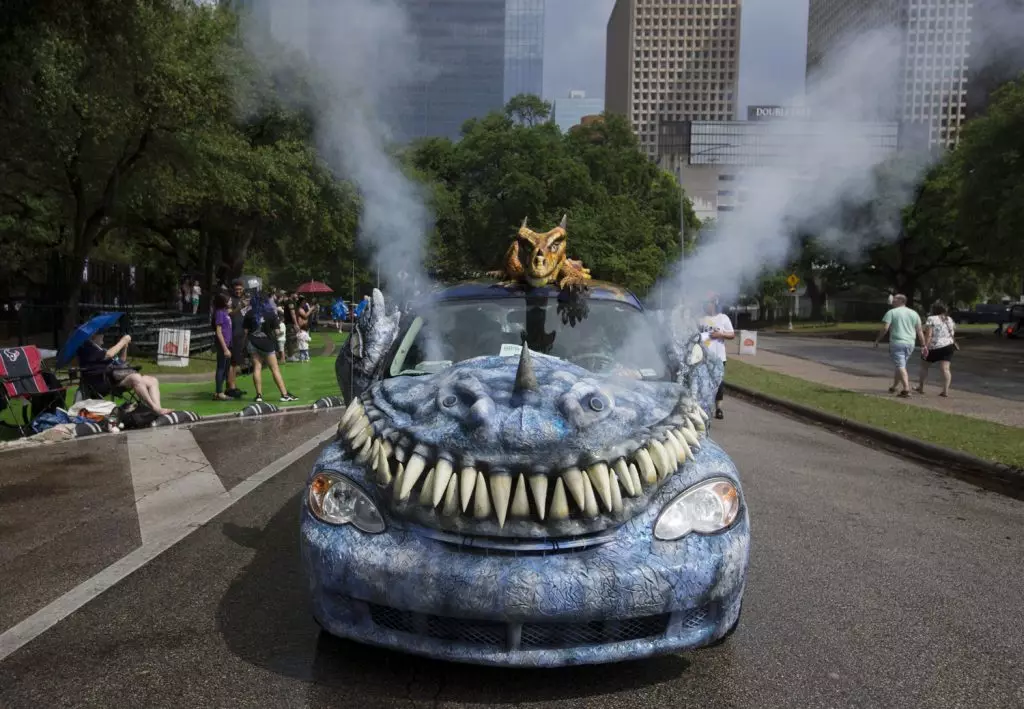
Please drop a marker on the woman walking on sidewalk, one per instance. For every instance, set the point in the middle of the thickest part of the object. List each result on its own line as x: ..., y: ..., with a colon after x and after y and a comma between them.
x: 939, y: 345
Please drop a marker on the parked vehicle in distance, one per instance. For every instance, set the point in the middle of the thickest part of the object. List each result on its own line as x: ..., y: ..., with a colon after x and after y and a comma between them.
x: 983, y: 313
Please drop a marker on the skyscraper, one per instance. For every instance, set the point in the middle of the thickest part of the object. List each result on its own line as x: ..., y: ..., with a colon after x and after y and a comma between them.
x: 932, y: 80
x: 524, y: 47
x: 462, y: 43
x: 672, y: 60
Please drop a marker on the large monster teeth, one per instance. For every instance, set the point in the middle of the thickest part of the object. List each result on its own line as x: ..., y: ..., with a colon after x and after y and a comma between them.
x: 467, y: 481
x: 598, y: 474
x: 443, y: 473
x: 426, y: 492
x: 501, y: 490
x: 574, y: 483
x: 539, y: 488
x: 520, y: 500
x: 622, y: 475
x: 353, y: 411
x: 646, y: 465
x: 431, y: 479
x: 417, y: 464
x: 559, y: 505
x: 589, y: 501
x: 481, y: 502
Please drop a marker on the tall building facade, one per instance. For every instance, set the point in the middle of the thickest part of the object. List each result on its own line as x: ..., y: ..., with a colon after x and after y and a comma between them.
x: 462, y: 44
x: 569, y: 112
x: 672, y: 60
x: 936, y: 36
x: 524, y: 47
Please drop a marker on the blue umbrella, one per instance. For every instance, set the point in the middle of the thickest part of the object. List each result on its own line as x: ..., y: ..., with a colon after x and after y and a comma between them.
x: 82, y: 333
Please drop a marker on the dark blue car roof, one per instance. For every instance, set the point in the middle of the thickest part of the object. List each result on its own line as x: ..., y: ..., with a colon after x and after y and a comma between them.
x: 490, y: 290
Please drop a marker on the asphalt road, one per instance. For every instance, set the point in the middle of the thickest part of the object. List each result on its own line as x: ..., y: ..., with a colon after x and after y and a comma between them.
x: 995, y: 368
x: 873, y: 583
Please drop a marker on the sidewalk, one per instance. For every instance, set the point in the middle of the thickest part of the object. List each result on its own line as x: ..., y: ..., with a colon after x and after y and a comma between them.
x: 980, y: 406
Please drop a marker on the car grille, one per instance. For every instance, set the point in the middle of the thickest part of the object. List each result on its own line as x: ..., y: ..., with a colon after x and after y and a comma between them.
x: 532, y: 636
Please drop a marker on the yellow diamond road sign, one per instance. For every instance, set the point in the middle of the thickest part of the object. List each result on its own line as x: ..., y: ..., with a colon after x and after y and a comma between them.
x: 792, y: 280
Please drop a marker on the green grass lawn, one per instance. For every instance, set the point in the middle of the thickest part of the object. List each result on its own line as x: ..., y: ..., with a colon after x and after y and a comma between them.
x: 991, y: 441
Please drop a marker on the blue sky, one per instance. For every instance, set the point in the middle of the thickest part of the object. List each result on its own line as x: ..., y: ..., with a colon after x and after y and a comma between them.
x: 773, y: 49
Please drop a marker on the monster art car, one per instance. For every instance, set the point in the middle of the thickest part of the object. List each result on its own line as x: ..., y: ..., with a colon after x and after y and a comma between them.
x: 523, y: 477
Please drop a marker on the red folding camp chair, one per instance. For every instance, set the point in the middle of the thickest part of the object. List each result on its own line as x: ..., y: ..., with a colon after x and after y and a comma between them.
x: 22, y: 377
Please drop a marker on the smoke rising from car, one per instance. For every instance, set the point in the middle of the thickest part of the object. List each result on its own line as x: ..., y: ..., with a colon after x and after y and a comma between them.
x: 360, y: 57
x: 813, y: 172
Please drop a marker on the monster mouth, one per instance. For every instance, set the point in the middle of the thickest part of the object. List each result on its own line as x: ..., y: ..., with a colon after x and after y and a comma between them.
x: 447, y: 484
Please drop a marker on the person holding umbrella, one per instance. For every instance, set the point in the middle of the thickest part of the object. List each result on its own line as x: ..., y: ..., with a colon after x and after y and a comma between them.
x: 93, y: 357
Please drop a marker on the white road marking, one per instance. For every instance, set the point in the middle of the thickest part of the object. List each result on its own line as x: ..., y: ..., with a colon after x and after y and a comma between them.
x: 172, y: 478
x: 45, y: 618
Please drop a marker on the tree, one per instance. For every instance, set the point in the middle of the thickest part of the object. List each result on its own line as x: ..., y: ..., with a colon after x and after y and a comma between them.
x: 528, y: 110
x: 91, y: 89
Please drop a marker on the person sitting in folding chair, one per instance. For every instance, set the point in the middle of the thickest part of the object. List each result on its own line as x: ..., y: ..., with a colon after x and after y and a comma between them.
x: 96, y: 361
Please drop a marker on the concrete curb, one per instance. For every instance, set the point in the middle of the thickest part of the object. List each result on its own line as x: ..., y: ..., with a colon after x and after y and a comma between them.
x: 894, y: 442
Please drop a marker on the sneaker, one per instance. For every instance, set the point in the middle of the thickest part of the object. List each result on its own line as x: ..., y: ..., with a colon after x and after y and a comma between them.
x: 258, y: 399
x: 719, y: 414
x: 235, y: 393
x: 289, y: 397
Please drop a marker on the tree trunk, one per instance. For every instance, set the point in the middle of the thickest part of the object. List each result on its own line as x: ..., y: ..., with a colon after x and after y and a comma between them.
x: 817, y: 297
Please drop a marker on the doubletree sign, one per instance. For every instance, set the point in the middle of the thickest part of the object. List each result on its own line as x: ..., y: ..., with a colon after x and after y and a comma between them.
x: 768, y: 113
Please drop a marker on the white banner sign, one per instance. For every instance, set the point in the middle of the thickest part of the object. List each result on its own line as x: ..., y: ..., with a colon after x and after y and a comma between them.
x: 173, y: 348
x: 748, y: 342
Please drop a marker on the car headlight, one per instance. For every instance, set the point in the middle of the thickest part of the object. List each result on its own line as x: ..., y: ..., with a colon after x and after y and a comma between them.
x: 707, y: 507
x: 337, y: 500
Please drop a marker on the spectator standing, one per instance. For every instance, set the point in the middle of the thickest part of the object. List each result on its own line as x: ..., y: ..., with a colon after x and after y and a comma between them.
x: 939, y: 345
x: 223, y: 334
x: 196, y: 293
x: 237, y: 305
x: 303, y: 339
x: 716, y: 328
x: 260, y: 325
x: 904, y: 326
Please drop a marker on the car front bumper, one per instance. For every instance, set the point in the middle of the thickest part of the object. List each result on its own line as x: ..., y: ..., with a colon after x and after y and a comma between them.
x: 628, y: 598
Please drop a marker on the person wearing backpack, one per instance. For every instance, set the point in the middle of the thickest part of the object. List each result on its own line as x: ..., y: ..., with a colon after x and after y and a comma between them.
x: 260, y: 325
x: 939, y: 345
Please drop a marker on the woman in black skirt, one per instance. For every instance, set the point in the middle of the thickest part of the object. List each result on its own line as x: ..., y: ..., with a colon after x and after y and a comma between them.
x: 939, y: 345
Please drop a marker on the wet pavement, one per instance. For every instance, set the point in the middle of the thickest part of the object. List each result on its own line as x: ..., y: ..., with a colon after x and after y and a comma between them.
x: 873, y: 582
x: 994, y: 368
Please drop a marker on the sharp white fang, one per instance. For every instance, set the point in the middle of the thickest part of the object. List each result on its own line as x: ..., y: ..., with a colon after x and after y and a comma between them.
x: 451, y: 498
x: 660, y: 457
x: 622, y: 473
x: 364, y: 435
x: 646, y: 465
x: 399, y: 476
x: 356, y: 427
x: 688, y: 424
x: 427, y: 491
x: 589, y: 500
x: 690, y: 437
x: 481, y: 501
x: 364, y: 452
x: 501, y: 490
x: 520, y: 500
x: 352, y: 411
x: 616, y: 497
x: 539, y: 488
x: 634, y: 475
x: 374, y: 450
x: 383, y: 468
x: 559, y: 505
x: 698, y: 422
x: 703, y: 414
x: 675, y: 453
x: 598, y: 474
x: 684, y: 447
x: 467, y: 481
x: 574, y: 482
x: 443, y: 472
x: 413, y: 471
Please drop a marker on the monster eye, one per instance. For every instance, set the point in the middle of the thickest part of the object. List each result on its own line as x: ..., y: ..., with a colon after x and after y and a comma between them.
x: 597, y: 403
x: 449, y: 401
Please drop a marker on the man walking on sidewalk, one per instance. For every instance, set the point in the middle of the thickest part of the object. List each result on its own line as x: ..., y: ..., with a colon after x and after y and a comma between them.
x: 904, y: 326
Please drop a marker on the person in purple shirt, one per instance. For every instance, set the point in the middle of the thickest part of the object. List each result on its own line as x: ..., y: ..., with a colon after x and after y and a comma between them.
x: 223, y: 334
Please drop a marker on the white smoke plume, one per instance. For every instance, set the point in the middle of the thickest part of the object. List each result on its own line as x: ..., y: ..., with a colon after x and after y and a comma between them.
x: 361, y: 57
x: 820, y: 168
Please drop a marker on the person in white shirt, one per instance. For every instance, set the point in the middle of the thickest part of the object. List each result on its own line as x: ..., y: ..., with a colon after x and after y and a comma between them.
x: 939, y: 345
x: 716, y: 328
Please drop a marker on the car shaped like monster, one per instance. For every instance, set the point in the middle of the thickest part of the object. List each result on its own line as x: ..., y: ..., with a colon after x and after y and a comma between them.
x: 523, y: 477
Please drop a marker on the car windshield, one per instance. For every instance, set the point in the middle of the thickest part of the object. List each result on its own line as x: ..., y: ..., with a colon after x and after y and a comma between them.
x: 600, y: 335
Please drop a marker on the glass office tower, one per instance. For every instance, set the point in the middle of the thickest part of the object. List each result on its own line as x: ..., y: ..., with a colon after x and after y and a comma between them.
x: 524, y: 47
